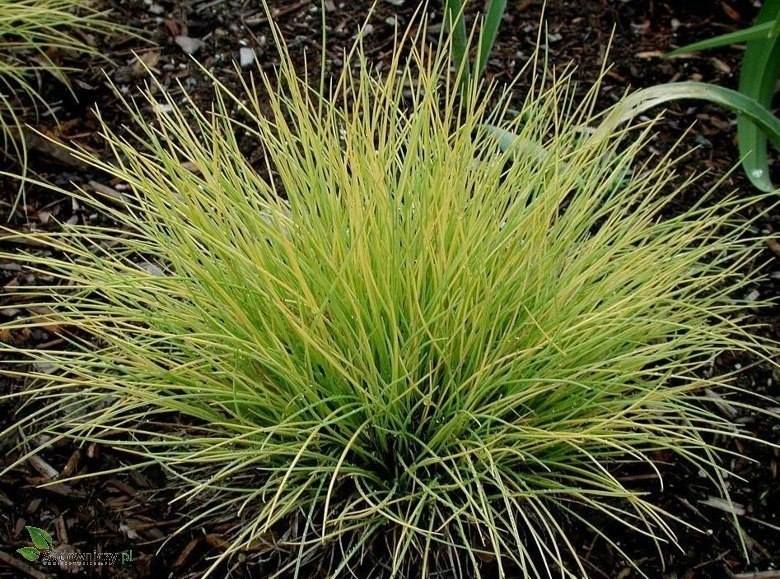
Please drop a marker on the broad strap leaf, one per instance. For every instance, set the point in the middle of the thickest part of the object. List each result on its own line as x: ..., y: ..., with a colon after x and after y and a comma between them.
x: 759, y: 73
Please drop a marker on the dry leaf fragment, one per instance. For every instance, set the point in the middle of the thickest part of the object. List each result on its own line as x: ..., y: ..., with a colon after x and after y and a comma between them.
x: 731, y: 12
x: 43, y: 467
x: 186, y: 552
x: 773, y: 244
x: 147, y: 60
x: 724, y: 505
x: 46, y: 318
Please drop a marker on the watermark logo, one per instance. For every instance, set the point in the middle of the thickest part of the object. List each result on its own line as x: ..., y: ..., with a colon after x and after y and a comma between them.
x: 43, y: 548
x: 41, y: 540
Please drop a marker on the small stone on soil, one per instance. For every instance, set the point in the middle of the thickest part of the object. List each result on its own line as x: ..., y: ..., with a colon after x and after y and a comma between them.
x: 188, y: 44
x: 246, y: 56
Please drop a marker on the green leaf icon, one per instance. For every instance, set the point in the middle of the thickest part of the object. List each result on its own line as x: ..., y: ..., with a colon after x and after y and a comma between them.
x: 40, y: 538
x: 29, y: 553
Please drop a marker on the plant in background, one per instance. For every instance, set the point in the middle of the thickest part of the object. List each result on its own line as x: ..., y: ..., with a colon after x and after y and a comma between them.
x: 758, y: 76
x: 456, y: 22
x: 33, y: 34
x: 760, y: 70
x: 402, y: 350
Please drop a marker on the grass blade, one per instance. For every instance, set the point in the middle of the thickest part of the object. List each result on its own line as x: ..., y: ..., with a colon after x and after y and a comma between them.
x: 495, y: 12
x: 456, y: 22
x: 761, y: 31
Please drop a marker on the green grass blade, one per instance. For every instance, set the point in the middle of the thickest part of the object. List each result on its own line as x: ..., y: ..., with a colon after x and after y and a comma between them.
x: 495, y: 12
x: 456, y: 23
x: 761, y: 31
x: 759, y: 73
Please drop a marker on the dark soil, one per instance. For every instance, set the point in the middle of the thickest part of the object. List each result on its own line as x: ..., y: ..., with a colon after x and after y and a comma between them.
x: 131, y: 511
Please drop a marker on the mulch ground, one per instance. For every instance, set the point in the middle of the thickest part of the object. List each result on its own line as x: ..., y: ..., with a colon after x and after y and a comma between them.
x: 131, y: 512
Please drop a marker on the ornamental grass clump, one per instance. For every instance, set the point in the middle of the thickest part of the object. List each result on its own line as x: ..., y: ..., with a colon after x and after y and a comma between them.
x: 397, y: 349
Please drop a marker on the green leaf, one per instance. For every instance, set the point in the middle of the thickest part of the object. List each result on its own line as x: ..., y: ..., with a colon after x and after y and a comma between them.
x: 759, y: 73
x: 495, y: 11
x: 453, y: 10
x: 762, y: 31
x: 40, y: 538
x: 758, y: 76
x: 509, y: 141
x: 645, y: 99
x: 29, y: 553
